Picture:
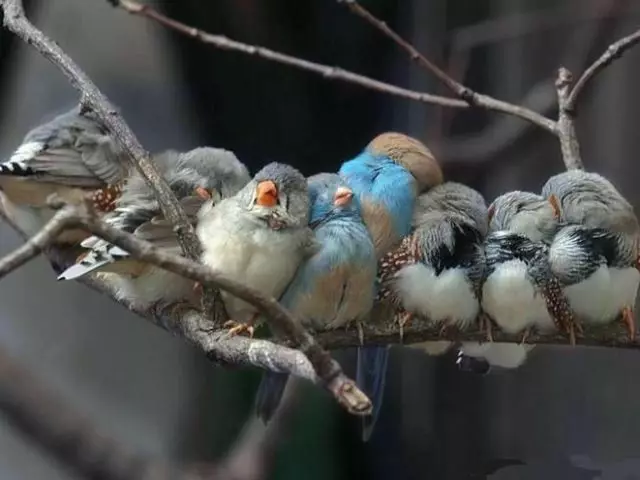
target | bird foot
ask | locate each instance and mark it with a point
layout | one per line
(486, 326)
(525, 334)
(197, 287)
(628, 319)
(360, 333)
(444, 329)
(236, 328)
(403, 319)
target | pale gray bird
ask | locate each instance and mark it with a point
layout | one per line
(519, 290)
(258, 237)
(71, 155)
(198, 177)
(596, 255)
(437, 271)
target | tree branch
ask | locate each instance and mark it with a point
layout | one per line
(569, 145)
(613, 52)
(472, 98)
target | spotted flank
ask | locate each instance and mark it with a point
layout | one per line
(390, 265)
(18, 164)
(104, 199)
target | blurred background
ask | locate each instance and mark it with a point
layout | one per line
(566, 414)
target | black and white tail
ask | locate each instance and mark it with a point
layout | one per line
(18, 164)
(102, 253)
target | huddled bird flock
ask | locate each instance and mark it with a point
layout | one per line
(385, 228)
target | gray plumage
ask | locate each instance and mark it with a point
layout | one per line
(217, 171)
(258, 244)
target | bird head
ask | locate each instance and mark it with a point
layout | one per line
(525, 213)
(409, 153)
(453, 198)
(210, 173)
(330, 198)
(587, 198)
(278, 194)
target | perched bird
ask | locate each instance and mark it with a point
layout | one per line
(70, 156)
(387, 176)
(335, 286)
(258, 237)
(198, 177)
(596, 255)
(437, 271)
(519, 291)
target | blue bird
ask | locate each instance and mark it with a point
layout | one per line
(336, 285)
(387, 177)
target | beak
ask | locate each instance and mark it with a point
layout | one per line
(202, 193)
(342, 196)
(555, 204)
(267, 194)
(490, 212)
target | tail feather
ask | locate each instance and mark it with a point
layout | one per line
(18, 165)
(371, 373)
(100, 256)
(269, 394)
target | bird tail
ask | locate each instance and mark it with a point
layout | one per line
(102, 253)
(17, 164)
(371, 373)
(505, 355)
(269, 394)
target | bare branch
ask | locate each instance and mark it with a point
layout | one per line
(474, 99)
(613, 52)
(569, 145)
(326, 71)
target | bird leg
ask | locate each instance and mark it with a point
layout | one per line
(629, 321)
(235, 328)
(485, 325)
(403, 319)
(525, 334)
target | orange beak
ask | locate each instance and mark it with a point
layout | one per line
(555, 204)
(490, 212)
(267, 194)
(342, 196)
(202, 193)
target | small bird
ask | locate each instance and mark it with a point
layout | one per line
(596, 255)
(258, 237)
(70, 156)
(437, 271)
(387, 176)
(198, 177)
(519, 291)
(335, 286)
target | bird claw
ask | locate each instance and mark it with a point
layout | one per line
(197, 287)
(236, 328)
(360, 333)
(629, 321)
(403, 319)
(486, 326)
(525, 334)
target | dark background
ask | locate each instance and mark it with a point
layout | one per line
(567, 414)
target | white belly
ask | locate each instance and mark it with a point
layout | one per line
(591, 298)
(445, 297)
(510, 298)
(624, 287)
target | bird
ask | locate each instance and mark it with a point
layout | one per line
(596, 255)
(258, 237)
(387, 176)
(335, 286)
(437, 271)
(72, 155)
(199, 178)
(519, 291)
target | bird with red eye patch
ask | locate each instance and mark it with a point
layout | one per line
(71, 156)
(258, 237)
(596, 255)
(198, 178)
(335, 286)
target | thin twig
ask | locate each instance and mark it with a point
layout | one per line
(463, 92)
(569, 145)
(613, 52)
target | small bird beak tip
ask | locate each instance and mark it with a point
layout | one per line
(203, 193)
(342, 196)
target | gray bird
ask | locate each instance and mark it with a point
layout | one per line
(200, 177)
(258, 237)
(519, 291)
(71, 155)
(596, 255)
(437, 271)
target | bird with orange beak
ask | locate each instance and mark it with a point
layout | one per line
(258, 237)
